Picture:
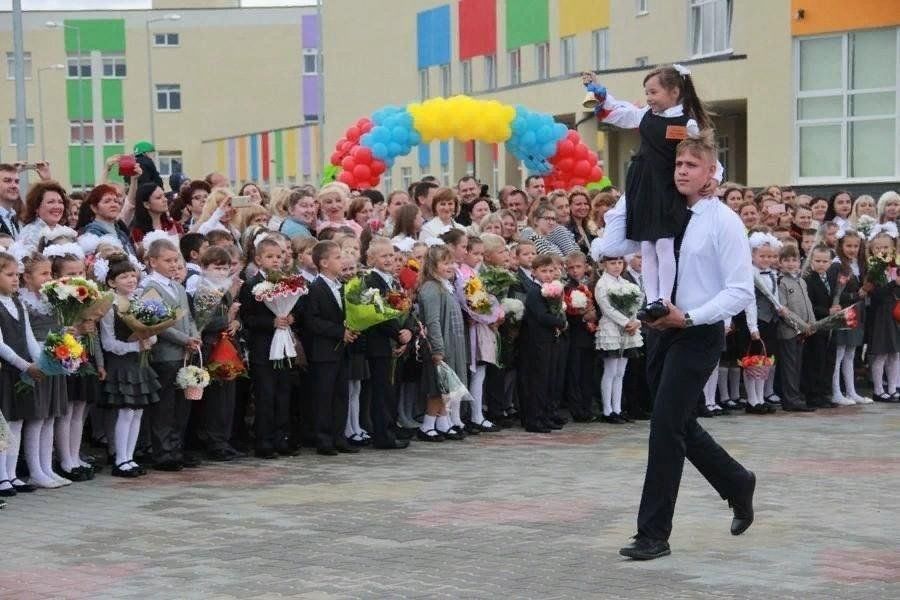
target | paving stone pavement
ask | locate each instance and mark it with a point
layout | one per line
(508, 515)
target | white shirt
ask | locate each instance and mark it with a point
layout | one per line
(388, 278)
(433, 230)
(12, 222)
(335, 288)
(168, 284)
(7, 353)
(108, 337)
(613, 241)
(715, 275)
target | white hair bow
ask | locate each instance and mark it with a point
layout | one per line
(157, 235)
(50, 234)
(60, 250)
(682, 70)
(101, 269)
(889, 229)
(259, 238)
(759, 239)
(89, 242)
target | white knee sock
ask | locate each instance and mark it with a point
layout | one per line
(454, 412)
(665, 255)
(443, 424)
(428, 423)
(836, 375)
(893, 372)
(63, 433)
(650, 271)
(709, 390)
(353, 428)
(47, 447)
(722, 383)
(621, 363)
(606, 384)
(476, 389)
(76, 431)
(32, 434)
(754, 393)
(877, 369)
(847, 372)
(133, 434)
(123, 436)
(734, 383)
(12, 450)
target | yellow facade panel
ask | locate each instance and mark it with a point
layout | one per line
(579, 16)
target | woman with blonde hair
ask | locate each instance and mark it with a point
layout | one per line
(279, 207)
(218, 214)
(601, 203)
(255, 214)
(579, 218)
(864, 205)
(888, 206)
(332, 200)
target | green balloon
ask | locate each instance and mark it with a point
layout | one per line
(599, 185)
(330, 174)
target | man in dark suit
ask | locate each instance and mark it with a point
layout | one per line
(9, 199)
(814, 380)
(328, 356)
(379, 346)
(637, 392)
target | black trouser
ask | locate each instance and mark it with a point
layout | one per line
(816, 380)
(679, 362)
(558, 376)
(272, 401)
(790, 359)
(382, 402)
(218, 415)
(331, 395)
(635, 392)
(536, 383)
(579, 381)
(169, 416)
(496, 400)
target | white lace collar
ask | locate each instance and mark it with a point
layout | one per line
(35, 303)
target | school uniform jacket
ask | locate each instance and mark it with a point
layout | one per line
(819, 295)
(170, 343)
(793, 295)
(324, 324)
(543, 323)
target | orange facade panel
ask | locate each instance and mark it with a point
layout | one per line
(810, 17)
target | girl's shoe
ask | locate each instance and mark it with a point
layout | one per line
(129, 473)
(758, 409)
(861, 399)
(63, 481)
(432, 435)
(841, 400)
(453, 434)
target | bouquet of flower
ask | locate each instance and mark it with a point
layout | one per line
(864, 225)
(409, 274)
(225, 363)
(365, 307)
(62, 354)
(450, 385)
(207, 304)
(626, 298)
(513, 308)
(280, 293)
(554, 293)
(578, 300)
(497, 281)
(192, 379)
(878, 268)
(146, 317)
(514, 311)
(848, 318)
(481, 306)
(76, 299)
(399, 301)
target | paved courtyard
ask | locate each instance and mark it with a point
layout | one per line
(509, 515)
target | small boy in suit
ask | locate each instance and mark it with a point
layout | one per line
(579, 376)
(816, 369)
(328, 354)
(793, 296)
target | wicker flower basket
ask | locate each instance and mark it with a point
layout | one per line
(757, 366)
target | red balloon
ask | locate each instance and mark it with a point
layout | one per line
(353, 133)
(362, 172)
(582, 169)
(364, 125)
(336, 158)
(347, 178)
(362, 155)
(346, 147)
(577, 181)
(340, 143)
(573, 136)
(596, 174)
(348, 163)
(564, 148)
(377, 167)
(374, 181)
(565, 165)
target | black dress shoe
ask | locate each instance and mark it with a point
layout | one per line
(428, 436)
(552, 425)
(219, 456)
(76, 474)
(117, 471)
(759, 409)
(624, 417)
(395, 445)
(882, 398)
(8, 492)
(484, 428)
(23, 488)
(266, 453)
(405, 434)
(190, 461)
(559, 421)
(453, 434)
(288, 451)
(706, 413)
(326, 452)
(796, 407)
(644, 548)
(613, 419)
(168, 465)
(347, 449)
(235, 454)
(743, 508)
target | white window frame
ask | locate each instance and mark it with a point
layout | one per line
(170, 89)
(11, 65)
(641, 61)
(314, 52)
(406, 177)
(72, 61)
(600, 48)
(466, 76)
(845, 119)
(514, 66)
(113, 60)
(567, 54)
(542, 60)
(109, 132)
(642, 7)
(387, 182)
(424, 84)
(166, 39)
(490, 71)
(164, 162)
(446, 81)
(88, 126)
(29, 132)
(729, 12)
(445, 175)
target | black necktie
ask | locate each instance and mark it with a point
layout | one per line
(679, 239)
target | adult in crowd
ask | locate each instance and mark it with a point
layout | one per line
(46, 207)
(424, 192)
(395, 201)
(99, 217)
(301, 218)
(444, 205)
(9, 199)
(579, 219)
(517, 204)
(151, 213)
(468, 189)
(534, 186)
(188, 207)
(143, 155)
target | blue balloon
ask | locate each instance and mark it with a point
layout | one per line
(548, 149)
(400, 135)
(380, 151)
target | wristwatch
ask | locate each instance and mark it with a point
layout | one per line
(688, 321)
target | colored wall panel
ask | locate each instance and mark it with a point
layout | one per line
(527, 22)
(579, 16)
(75, 165)
(113, 107)
(305, 151)
(279, 155)
(264, 152)
(72, 101)
(254, 157)
(105, 35)
(315, 152)
(242, 158)
(311, 96)
(232, 159)
(824, 16)
(221, 164)
(290, 152)
(424, 156)
(309, 30)
(433, 36)
(477, 28)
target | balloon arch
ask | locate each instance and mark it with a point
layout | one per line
(545, 147)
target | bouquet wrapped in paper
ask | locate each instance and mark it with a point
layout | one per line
(514, 312)
(365, 307)
(399, 300)
(62, 354)
(146, 317)
(481, 306)
(207, 305)
(626, 298)
(579, 300)
(76, 299)
(280, 293)
(225, 363)
(880, 269)
(554, 292)
(450, 385)
(497, 281)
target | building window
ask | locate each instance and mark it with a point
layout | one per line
(72, 64)
(168, 97)
(446, 81)
(543, 60)
(169, 163)
(166, 39)
(387, 182)
(467, 76)
(75, 132)
(114, 67)
(424, 85)
(11, 65)
(114, 131)
(490, 71)
(710, 27)
(310, 61)
(600, 48)
(846, 112)
(445, 175)
(722, 144)
(567, 50)
(29, 132)
(515, 66)
(641, 61)
(642, 7)
(406, 177)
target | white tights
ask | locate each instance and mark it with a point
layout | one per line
(128, 426)
(754, 389)
(38, 437)
(880, 363)
(843, 365)
(729, 383)
(353, 427)
(709, 390)
(476, 387)
(69, 428)
(611, 384)
(658, 268)
(10, 456)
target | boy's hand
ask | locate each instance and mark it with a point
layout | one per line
(192, 345)
(754, 335)
(350, 336)
(437, 358)
(404, 336)
(834, 310)
(587, 78)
